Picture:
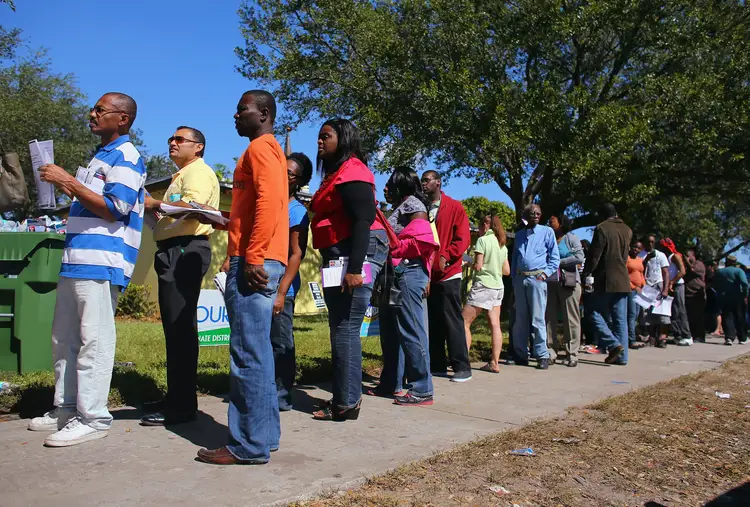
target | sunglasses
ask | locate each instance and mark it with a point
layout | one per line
(99, 111)
(181, 140)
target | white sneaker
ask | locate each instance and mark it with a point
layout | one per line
(54, 420)
(74, 433)
(685, 342)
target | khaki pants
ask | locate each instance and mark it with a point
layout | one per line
(566, 300)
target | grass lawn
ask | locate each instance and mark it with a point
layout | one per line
(142, 343)
(673, 443)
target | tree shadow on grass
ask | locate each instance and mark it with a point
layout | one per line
(134, 387)
(33, 401)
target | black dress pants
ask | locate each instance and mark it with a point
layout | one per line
(181, 263)
(696, 312)
(733, 320)
(446, 325)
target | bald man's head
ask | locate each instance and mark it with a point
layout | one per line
(124, 103)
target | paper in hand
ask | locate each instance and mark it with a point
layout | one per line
(213, 215)
(42, 152)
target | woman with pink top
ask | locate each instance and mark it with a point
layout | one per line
(403, 327)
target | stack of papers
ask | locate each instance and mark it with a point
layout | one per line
(651, 296)
(213, 216)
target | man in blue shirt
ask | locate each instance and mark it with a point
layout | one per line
(535, 258)
(299, 171)
(731, 291)
(101, 246)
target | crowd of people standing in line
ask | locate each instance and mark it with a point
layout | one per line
(409, 264)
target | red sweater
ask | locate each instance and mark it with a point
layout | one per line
(453, 231)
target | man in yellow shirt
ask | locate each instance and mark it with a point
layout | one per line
(181, 262)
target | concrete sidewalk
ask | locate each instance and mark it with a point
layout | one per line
(156, 466)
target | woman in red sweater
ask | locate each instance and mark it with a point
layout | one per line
(345, 229)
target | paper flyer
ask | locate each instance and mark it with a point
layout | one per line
(42, 152)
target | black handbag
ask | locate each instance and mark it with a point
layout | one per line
(568, 279)
(385, 289)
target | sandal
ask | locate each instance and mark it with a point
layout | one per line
(329, 413)
(380, 394)
(636, 345)
(487, 367)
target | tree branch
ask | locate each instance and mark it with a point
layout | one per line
(732, 250)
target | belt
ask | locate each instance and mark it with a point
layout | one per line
(532, 273)
(178, 241)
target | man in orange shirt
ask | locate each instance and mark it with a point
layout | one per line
(256, 255)
(636, 270)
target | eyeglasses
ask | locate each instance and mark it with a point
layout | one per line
(428, 180)
(99, 111)
(181, 140)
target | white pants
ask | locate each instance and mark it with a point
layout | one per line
(83, 343)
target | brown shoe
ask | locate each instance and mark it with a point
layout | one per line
(222, 456)
(614, 355)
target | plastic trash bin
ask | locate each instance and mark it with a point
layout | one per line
(29, 269)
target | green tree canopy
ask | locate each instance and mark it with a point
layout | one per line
(36, 103)
(565, 102)
(478, 207)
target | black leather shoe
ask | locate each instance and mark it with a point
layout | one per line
(543, 364)
(161, 419)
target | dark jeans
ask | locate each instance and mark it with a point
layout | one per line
(633, 311)
(733, 319)
(392, 375)
(180, 264)
(254, 427)
(447, 325)
(680, 326)
(696, 312)
(284, 360)
(346, 311)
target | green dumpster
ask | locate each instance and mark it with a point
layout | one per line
(29, 269)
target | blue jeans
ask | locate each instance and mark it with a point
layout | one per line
(284, 360)
(392, 375)
(346, 311)
(632, 316)
(412, 342)
(254, 427)
(531, 307)
(611, 306)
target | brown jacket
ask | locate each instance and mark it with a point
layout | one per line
(608, 256)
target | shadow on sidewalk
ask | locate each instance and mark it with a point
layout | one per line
(303, 402)
(204, 432)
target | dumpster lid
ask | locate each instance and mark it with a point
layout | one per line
(17, 246)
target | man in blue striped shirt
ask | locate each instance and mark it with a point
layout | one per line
(101, 247)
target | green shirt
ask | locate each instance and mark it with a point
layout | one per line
(491, 274)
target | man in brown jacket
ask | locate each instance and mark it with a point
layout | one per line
(606, 262)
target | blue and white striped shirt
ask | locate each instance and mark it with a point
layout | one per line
(96, 249)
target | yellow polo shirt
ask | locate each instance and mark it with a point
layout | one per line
(195, 182)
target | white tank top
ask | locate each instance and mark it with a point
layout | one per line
(673, 270)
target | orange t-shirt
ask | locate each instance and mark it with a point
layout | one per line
(259, 220)
(635, 272)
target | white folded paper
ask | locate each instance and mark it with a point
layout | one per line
(214, 216)
(647, 297)
(663, 307)
(42, 152)
(220, 280)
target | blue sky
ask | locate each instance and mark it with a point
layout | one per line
(176, 59)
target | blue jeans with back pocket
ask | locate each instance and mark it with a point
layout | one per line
(254, 427)
(346, 312)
